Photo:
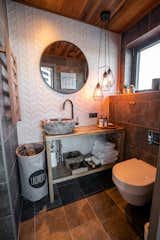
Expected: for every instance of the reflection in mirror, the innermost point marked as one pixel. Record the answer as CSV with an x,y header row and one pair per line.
x,y
64,67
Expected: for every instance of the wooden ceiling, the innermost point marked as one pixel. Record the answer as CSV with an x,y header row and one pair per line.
x,y
124,13
65,50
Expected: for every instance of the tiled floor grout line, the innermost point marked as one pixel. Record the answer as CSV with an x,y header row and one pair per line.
x,y
85,197
67,224
108,237
114,201
117,205
69,229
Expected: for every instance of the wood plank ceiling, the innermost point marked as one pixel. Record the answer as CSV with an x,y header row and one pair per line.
x,y
65,50
124,13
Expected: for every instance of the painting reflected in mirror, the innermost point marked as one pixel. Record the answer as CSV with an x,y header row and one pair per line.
x,y
64,67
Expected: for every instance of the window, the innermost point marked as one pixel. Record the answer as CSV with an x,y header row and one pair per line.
x,y
148,66
48,73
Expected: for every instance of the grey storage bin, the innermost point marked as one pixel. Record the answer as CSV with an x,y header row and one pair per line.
x,y
31,159
72,157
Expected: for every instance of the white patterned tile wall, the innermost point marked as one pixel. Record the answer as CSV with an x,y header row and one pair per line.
x,y
31,30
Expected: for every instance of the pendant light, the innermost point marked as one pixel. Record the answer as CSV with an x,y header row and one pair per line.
x,y
108,78
98,94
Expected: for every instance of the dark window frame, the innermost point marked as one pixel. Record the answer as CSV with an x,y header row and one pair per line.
x,y
135,51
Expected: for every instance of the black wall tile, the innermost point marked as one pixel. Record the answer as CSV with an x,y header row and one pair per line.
x,y
14,186
4,200
2,171
17,213
8,144
10,151
6,228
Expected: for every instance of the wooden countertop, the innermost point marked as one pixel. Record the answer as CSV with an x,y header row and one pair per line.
x,y
85,130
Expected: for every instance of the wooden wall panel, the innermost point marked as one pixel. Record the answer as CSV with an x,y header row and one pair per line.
x,y
9,86
13,84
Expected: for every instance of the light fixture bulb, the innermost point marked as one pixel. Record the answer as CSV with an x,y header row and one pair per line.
x,y
108,79
98,94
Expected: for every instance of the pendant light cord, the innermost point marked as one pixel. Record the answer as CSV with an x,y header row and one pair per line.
x,y
106,35
99,52
105,49
108,51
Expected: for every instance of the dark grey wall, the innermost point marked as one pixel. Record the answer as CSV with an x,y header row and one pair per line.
x,y
9,189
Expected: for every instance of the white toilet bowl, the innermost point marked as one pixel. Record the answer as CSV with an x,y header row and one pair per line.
x,y
134,179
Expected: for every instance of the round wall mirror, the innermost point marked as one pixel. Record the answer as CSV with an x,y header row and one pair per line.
x,y
64,67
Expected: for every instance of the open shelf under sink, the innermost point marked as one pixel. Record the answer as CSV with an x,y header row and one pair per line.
x,y
62,173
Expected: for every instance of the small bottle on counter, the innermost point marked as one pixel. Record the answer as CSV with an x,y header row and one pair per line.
x,y
105,122
131,89
100,121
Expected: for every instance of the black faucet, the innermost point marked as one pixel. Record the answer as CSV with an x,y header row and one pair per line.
x,y
71,103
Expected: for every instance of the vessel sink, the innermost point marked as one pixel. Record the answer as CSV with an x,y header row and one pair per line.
x,y
58,127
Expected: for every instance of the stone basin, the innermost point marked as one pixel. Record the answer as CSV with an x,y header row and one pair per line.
x,y
58,127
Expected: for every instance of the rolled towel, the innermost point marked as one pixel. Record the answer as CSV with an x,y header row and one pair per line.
x,y
111,160
105,155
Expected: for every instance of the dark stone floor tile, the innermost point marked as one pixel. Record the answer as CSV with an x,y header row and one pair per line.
x,y
138,216
105,178
44,203
57,199
103,205
52,225
66,183
114,194
27,203
27,230
118,227
41,204
92,230
70,193
28,210
90,184
78,213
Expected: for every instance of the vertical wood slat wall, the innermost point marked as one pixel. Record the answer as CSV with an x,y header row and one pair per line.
x,y
10,84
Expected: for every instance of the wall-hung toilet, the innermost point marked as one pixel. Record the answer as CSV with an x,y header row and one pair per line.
x,y
134,179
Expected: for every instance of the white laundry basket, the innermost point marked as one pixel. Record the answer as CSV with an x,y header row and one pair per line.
x,y
31,159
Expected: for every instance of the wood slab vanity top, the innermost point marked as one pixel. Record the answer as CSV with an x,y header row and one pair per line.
x,y
86,130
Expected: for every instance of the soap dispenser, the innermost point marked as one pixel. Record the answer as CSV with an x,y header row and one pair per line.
x,y
100,121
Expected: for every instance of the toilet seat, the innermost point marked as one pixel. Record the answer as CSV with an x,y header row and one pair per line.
x,y
135,172
134,179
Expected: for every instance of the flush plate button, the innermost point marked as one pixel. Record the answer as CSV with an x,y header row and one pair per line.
x,y
153,137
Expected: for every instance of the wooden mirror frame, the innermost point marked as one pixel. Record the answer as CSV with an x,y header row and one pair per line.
x,y
66,57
